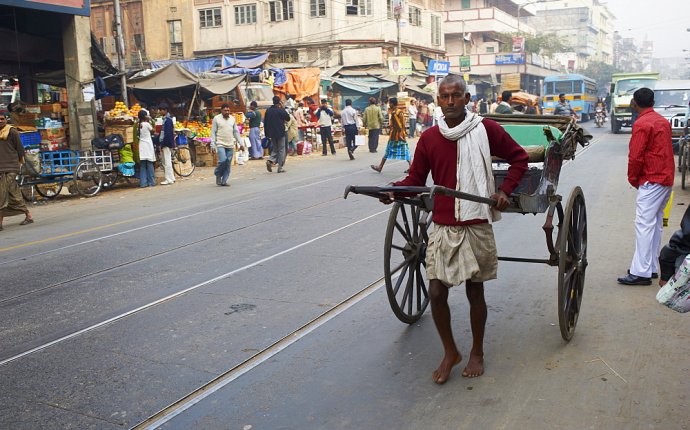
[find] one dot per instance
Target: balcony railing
(488, 19)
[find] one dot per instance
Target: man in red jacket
(651, 170)
(461, 247)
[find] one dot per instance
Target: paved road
(115, 307)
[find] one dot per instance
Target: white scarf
(474, 173)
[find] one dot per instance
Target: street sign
(438, 67)
(510, 81)
(465, 62)
(72, 7)
(510, 59)
(400, 65)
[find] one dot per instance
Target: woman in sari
(397, 148)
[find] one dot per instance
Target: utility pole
(398, 8)
(120, 50)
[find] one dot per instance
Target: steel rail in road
(185, 291)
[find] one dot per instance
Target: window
(209, 18)
(415, 16)
(139, 42)
(466, 4)
(175, 34)
(245, 14)
(280, 10)
(317, 8)
(285, 56)
(490, 50)
(358, 7)
(435, 30)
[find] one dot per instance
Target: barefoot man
(461, 247)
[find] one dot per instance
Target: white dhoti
(459, 253)
(649, 218)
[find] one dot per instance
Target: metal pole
(398, 49)
(120, 50)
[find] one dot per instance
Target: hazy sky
(663, 21)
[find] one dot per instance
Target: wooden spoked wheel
(404, 262)
(572, 262)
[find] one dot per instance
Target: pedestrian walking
(412, 118)
(483, 107)
(348, 118)
(301, 119)
(292, 135)
(372, 119)
(225, 139)
(651, 170)
(274, 127)
(504, 108)
(167, 143)
(397, 148)
(461, 247)
(147, 154)
(11, 157)
(325, 118)
(256, 152)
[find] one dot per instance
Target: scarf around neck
(5, 132)
(474, 174)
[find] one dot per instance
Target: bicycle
(183, 156)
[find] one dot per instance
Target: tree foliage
(600, 72)
(544, 44)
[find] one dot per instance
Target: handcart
(411, 216)
(81, 168)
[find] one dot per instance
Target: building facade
(476, 30)
(152, 30)
(319, 33)
(585, 25)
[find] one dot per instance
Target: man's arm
(214, 133)
(17, 142)
(637, 149)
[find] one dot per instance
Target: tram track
(160, 253)
(171, 411)
(180, 293)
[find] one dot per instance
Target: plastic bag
(32, 163)
(676, 293)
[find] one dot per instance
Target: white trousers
(649, 224)
(167, 165)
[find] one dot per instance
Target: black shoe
(269, 165)
(634, 280)
(218, 180)
(654, 275)
(225, 185)
(350, 154)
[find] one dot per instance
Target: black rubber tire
(684, 154)
(88, 178)
(572, 262)
(405, 252)
(49, 190)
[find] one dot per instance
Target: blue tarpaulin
(195, 66)
(279, 76)
(250, 61)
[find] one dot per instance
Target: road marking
(222, 380)
(185, 291)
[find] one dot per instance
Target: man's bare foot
(475, 366)
(441, 375)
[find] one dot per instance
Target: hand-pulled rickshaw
(549, 141)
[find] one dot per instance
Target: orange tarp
(302, 83)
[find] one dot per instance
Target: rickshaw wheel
(49, 190)
(404, 262)
(183, 162)
(111, 178)
(88, 178)
(572, 262)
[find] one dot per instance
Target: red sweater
(437, 154)
(651, 151)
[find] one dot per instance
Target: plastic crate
(55, 163)
(30, 139)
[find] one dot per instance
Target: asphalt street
(261, 306)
